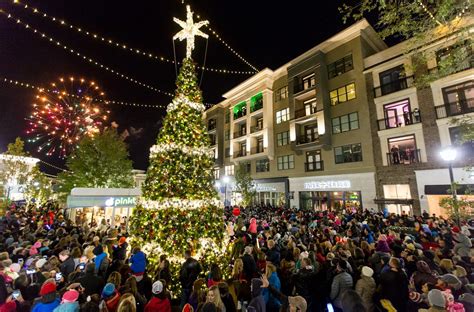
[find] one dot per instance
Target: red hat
(456, 229)
(122, 240)
(47, 288)
(70, 296)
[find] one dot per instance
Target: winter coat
(250, 267)
(365, 287)
(99, 260)
(189, 273)
(273, 255)
(253, 226)
(138, 262)
(158, 305)
(92, 284)
(120, 252)
(257, 304)
(68, 307)
(340, 283)
(46, 307)
(67, 267)
(423, 275)
(463, 246)
(303, 281)
(394, 287)
(271, 301)
(112, 302)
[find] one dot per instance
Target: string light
(227, 45)
(32, 86)
(52, 166)
(429, 13)
(122, 46)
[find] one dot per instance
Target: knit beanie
(436, 298)
(70, 296)
(108, 290)
(47, 288)
(366, 271)
(157, 287)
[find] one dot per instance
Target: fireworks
(64, 114)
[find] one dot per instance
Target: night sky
(266, 33)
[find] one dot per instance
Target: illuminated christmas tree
(180, 208)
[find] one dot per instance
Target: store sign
(323, 185)
(264, 188)
(120, 201)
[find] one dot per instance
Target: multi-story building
(341, 125)
(411, 125)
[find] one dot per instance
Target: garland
(184, 100)
(179, 203)
(166, 148)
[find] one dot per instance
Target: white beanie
(40, 263)
(366, 271)
(157, 287)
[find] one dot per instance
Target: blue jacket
(98, 261)
(270, 300)
(46, 307)
(138, 262)
(68, 307)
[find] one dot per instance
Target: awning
(445, 189)
(394, 201)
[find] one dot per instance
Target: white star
(189, 31)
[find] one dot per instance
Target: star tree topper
(189, 31)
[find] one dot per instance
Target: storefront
(333, 193)
(434, 185)
(271, 191)
(92, 205)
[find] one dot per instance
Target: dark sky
(267, 33)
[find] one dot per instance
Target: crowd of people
(281, 260)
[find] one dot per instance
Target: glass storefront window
(332, 201)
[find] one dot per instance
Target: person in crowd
(272, 302)
(366, 287)
(164, 272)
(127, 303)
(49, 298)
(341, 282)
(69, 302)
(257, 304)
(91, 282)
(189, 273)
(250, 266)
(214, 296)
(394, 286)
(226, 297)
(215, 275)
(67, 266)
(159, 302)
(110, 298)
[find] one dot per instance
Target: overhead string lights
(215, 34)
(120, 45)
(34, 87)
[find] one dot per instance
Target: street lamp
(449, 155)
(226, 181)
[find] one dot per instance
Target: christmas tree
(180, 209)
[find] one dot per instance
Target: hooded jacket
(138, 262)
(423, 275)
(257, 304)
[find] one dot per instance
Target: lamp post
(449, 155)
(226, 180)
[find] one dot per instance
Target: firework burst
(64, 114)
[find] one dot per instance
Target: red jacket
(158, 305)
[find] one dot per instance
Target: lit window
(342, 94)
(348, 153)
(229, 170)
(283, 115)
(216, 173)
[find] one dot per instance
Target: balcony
(314, 166)
(307, 111)
(240, 114)
(257, 106)
(306, 84)
(409, 118)
(239, 134)
(394, 86)
(406, 157)
(211, 126)
(455, 108)
(258, 150)
(241, 153)
(256, 129)
(305, 139)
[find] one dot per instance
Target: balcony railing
(405, 119)
(314, 166)
(394, 86)
(239, 134)
(256, 129)
(405, 157)
(257, 150)
(305, 112)
(241, 153)
(257, 106)
(455, 108)
(304, 139)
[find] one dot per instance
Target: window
(247, 167)
(286, 162)
(213, 139)
(229, 170)
(281, 94)
(345, 123)
(343, 94)
(308, 81)
(459, 99)
(310, 134)
(391, 80)
(227, 152)
(283, 138)
(348, 153)
(256, 102)
(242, 149)
(227, 135)
(313, 161)
(402, 150)
(310, 106)
(260, 148)
(262, 165)
(340, 66)
(216, 173)
(227, 117)
(283, 115)
(240, 110)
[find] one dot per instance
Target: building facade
(340, 126)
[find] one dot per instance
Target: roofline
(246, 84)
